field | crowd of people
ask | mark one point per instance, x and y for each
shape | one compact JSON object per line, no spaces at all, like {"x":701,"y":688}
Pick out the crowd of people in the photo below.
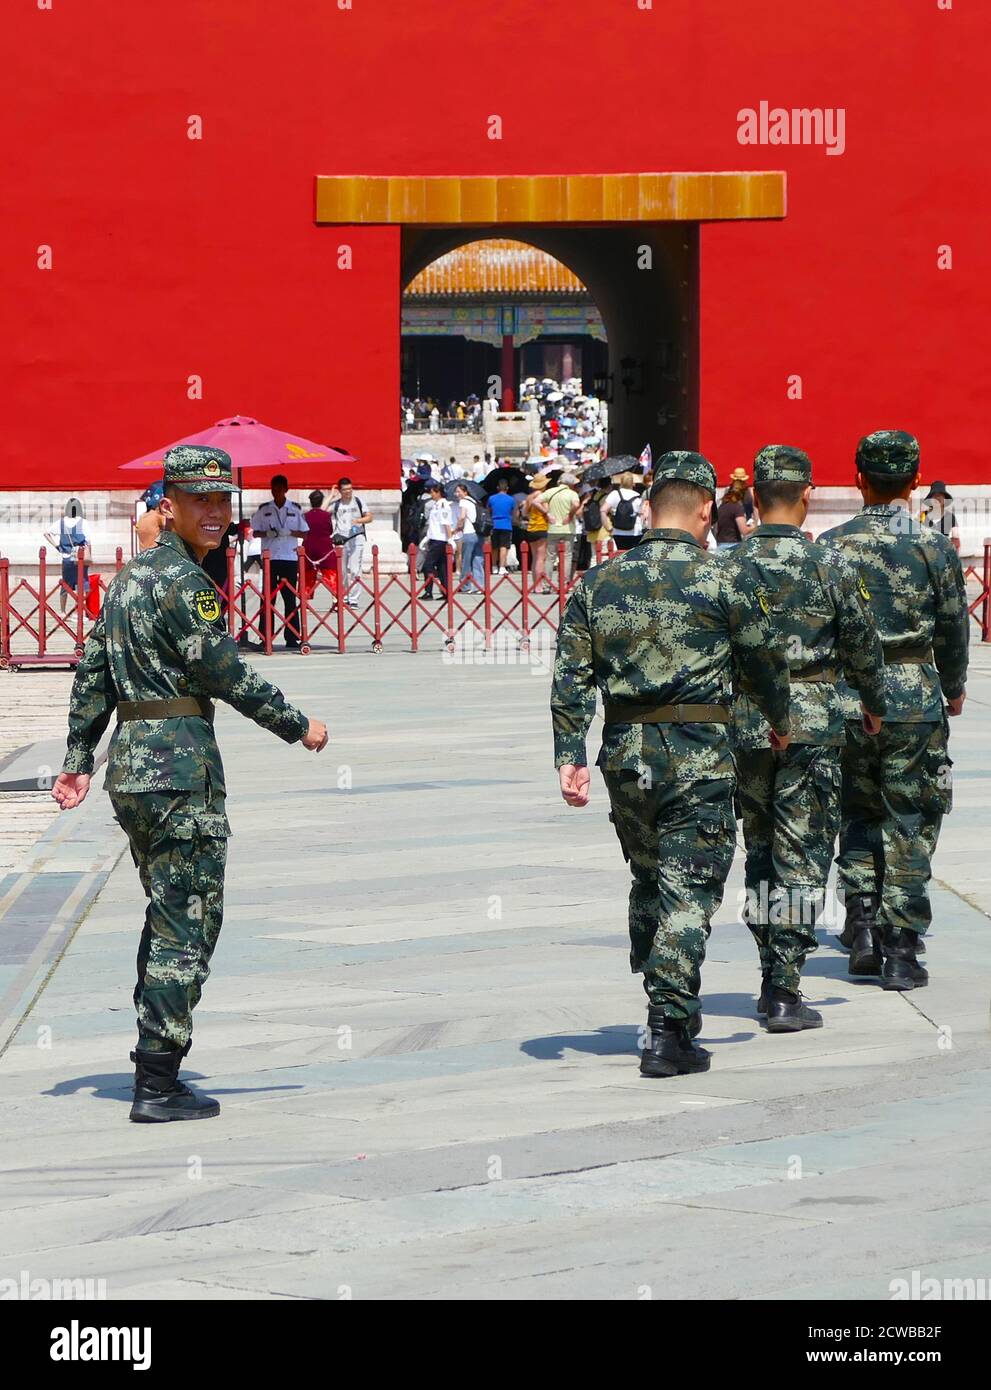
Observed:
{"x":425,"y":412}
{"x":571,"y":424}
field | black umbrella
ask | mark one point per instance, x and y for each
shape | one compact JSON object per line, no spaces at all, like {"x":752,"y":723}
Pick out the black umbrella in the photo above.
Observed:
{"x":517,"y":480}
{"x":621,"y":463}
{"x":475,"y":490}
{"x":596,"y":472}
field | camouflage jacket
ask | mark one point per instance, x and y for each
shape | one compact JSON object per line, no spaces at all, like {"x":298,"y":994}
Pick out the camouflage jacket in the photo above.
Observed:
{"x":918,"y":596}
{"x":822,"y":625}
{"x":662,"y":623}
{"x":160,"y":636}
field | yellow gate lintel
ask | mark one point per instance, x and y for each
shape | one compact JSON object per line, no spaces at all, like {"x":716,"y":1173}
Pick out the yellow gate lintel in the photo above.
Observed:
{"x":676,"y":197}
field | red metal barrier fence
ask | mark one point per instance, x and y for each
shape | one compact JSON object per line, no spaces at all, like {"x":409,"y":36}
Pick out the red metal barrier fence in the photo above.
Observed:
{"x":44,"y":622}
{"x":316,"y":609}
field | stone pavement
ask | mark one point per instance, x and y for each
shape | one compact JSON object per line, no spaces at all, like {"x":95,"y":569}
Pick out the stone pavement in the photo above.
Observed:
{"x":422,"y":1029}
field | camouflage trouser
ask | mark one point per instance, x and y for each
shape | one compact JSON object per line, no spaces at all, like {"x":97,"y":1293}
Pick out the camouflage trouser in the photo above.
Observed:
{"x":678,"y":839}
{"x":896,"y":790}
{"x":790,"y":804}
{"x":179,"y":844}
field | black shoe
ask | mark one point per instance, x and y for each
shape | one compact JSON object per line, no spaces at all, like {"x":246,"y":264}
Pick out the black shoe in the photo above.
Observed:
{"x":787,"y":1014}
{"x":246,"y":644}
{"x":158,"y":1093}
{"x":901,"y":969}
{"x":670,"y":1050}
{"x":861,"y":914}
{"x":765,"y":986}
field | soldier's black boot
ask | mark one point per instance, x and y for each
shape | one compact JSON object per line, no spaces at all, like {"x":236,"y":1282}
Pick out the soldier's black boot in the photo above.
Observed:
{"x":159,"y":1095}
{"x":765,"y":988}
{"x":670,"y":1050}
{"x":861,"y":934}
{"x":901,"y":969}
{"x":787,"y":1014}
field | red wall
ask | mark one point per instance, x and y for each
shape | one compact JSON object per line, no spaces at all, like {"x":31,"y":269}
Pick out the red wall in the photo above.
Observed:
{"x":174,"y":257}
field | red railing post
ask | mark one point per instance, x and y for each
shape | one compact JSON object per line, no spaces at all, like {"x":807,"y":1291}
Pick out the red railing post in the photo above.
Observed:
{"x":562,"y":580}
{"x":412,"y":596}
{"x":267,"y":602}
{"x":449,"y":580}
{"x":80,"y":598}
{"x":342,"y":596}
{"x":376,"y":599}
{"x":487,"y":592}
{"x":4,"y":610}
{"x":525,"y":588}
{"x":43,"y":599}
{"x":301,"y":599}
{"x":986,"y":606}
{"x":230,"y":590}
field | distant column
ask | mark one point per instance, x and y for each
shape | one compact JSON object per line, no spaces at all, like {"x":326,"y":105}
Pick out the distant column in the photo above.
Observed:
{"x":508,"y":372}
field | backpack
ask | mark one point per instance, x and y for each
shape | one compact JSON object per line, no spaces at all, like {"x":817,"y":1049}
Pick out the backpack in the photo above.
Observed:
{"x":483,"y":519}
{"x":70,"y":539}
{"x":338,"y":537}
{"x":592,"y":515}
{"x":624,"y":518}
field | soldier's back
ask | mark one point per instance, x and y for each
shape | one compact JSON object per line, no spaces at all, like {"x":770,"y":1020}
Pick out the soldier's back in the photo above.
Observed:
{"x":910,"y":576}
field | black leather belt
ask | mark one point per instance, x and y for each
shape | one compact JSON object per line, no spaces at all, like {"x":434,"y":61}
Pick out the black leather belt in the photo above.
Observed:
{"x":165,"y":709}
{"x":666,"y":714}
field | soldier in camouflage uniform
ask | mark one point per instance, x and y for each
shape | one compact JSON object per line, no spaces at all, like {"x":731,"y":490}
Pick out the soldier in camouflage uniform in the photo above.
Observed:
{"x":897,"y":787}
{"x":790,"y":801}
{"x":157,"y":654}
{"x":656,"y":630}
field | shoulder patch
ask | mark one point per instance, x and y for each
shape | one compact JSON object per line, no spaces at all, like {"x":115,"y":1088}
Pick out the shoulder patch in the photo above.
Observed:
{"x":207,"y":604}
{"x":865,"y":593}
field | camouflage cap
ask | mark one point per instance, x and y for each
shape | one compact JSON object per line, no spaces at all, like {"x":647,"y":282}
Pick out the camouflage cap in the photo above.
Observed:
{"x":888,"y":454}
{"x":782,"y":463}
{"x":688,"y":467}
{"x":197,"y":468}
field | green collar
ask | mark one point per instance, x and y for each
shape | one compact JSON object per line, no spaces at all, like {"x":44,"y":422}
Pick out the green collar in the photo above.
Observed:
{"x":175,"y":542}
{"x":775,"y":528}
{"x":669,"y":533}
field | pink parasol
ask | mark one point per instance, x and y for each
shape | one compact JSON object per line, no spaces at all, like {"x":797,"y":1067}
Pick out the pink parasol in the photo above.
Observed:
{"x":256,"y":450}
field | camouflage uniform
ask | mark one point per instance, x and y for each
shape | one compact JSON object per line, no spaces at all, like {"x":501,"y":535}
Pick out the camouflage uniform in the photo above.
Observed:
{"x":790,"y":800}
{"x":897,"y":787}
{"x":160,"y":637}
{"x":658,"y":626}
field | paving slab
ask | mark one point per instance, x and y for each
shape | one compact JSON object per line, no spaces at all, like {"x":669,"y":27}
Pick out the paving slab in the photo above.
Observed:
{"x":423,"y":1032}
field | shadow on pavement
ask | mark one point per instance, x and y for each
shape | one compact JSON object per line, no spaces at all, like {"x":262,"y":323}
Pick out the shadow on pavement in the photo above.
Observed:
{"x":120,"y":1086}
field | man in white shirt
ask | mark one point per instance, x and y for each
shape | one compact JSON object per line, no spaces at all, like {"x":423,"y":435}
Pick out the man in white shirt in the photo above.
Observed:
{"x":281,"y":525}
{"x":439,"y":524}
{"x":350,"y":520}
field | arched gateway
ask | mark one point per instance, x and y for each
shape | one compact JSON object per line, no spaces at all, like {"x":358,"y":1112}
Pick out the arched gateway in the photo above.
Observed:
{"x":632,"y":239}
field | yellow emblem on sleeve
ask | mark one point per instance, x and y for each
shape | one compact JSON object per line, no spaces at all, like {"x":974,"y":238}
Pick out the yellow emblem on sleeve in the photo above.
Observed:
{"x":207,"y":604}
{"x":865,"y":593}
{"x":762,"y":600}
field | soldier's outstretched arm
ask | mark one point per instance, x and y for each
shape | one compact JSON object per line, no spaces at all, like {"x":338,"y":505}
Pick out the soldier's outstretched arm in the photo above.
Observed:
{"x":92,"y":702}
{"x":213,"y":662}
{"x":573,"y":689}
{"x":858,"y":644}
{"x":761,"y":665}
{"x":951,"y":631}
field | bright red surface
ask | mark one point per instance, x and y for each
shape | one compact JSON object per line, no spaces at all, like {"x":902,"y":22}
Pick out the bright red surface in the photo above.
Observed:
{"x":174,"y":257}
